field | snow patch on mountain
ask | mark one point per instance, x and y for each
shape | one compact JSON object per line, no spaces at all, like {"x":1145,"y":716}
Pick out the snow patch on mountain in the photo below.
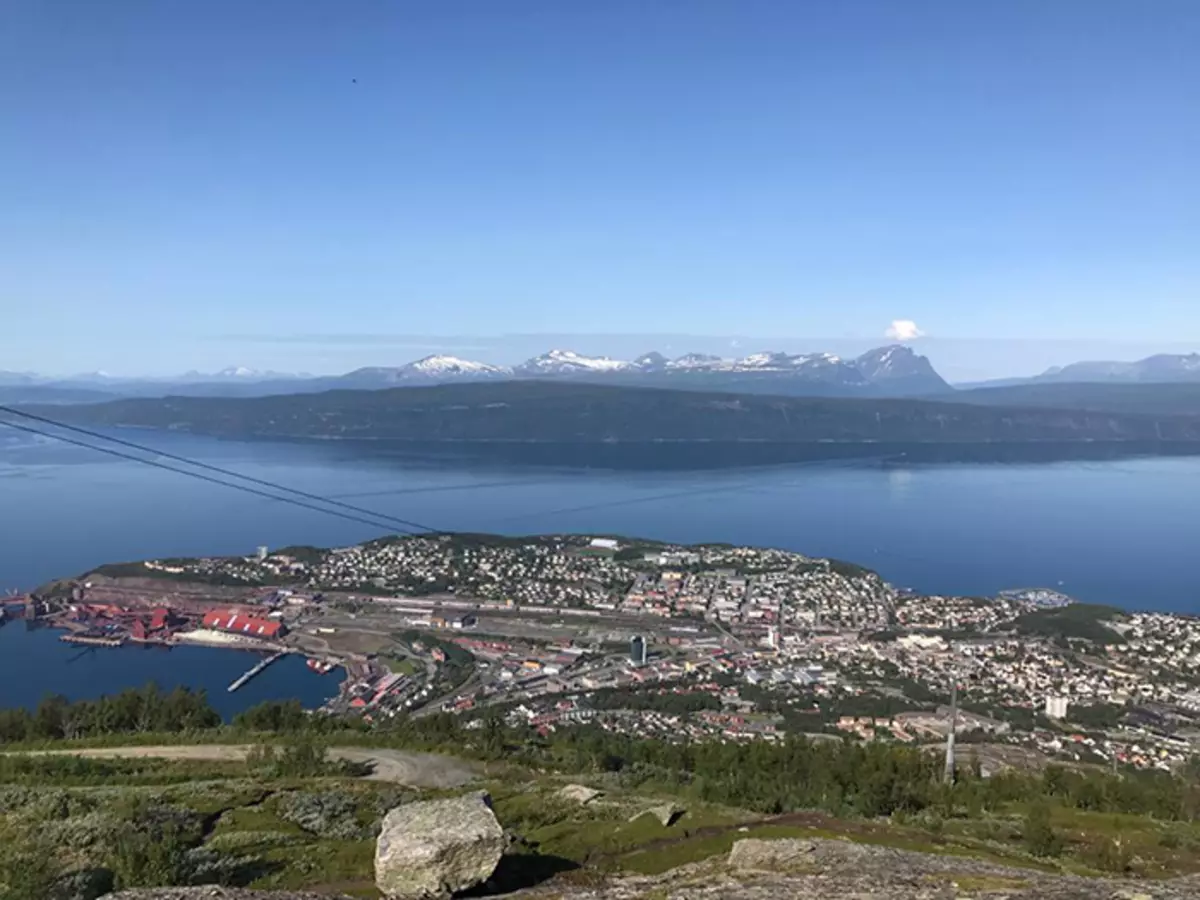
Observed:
{"x":440,"y":364}
{"x":563,"y":362}
{"x":698,"y":361}
{"x":784,"y":361}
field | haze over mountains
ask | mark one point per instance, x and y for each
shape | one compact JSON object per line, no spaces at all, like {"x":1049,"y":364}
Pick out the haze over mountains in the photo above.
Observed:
{"x":760,"y":408}
{"x":895,"y":371}
{"x":1161,"y":368}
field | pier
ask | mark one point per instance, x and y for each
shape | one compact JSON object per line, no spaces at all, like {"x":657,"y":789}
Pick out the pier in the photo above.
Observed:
{"x":262,"y":665}
{"x":93,"y":640}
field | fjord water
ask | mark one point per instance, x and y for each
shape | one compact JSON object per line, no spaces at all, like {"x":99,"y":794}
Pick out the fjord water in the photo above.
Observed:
{"x":1121,"y":532}
{"x":35,"y":663}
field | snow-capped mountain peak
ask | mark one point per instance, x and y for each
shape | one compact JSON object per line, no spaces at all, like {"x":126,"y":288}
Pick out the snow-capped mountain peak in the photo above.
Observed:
{"x":896,"y":362}
{"x":429,"y":370}
{"x":776,"y":361}
{"x":440,"y":364}
{"x":243,"y":373}
{"x":559,"y":362}
{"x":697,"y":361}
{"x":759,"y":360}
{"x":651,"y":362}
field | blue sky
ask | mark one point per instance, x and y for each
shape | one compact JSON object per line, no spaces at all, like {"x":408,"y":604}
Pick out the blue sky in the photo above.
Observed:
{"x":314,"y":186}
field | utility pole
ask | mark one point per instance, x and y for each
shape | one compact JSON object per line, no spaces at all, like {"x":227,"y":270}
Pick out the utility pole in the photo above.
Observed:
{"x":948,"y":775}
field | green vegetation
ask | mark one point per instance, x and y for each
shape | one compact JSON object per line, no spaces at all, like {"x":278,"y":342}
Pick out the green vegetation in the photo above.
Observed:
{"x":1040,"y":837}
{"x":75,"y":832}
{"x":401,"y":665}
{"x":303,"y":553}
{"x":683,"y":703}
{"x":1077,"y":621}
{"x":1146,"y":399}
{"x":576,"y":413}
{"x":290,"y":817}
{"x":138,"y":710}
{"x":139,"y":570}
{"x":301,"y":756}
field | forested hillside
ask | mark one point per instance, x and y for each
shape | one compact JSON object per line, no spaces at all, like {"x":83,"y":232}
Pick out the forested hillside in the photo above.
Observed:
{"x":580,"y":413}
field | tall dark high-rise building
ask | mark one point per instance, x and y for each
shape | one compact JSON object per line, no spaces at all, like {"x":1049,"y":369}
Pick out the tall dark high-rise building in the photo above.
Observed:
{"x":637,"y":650}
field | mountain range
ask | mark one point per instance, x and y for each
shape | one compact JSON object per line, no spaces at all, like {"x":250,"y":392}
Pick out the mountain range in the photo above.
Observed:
{"x":895,"y":371}
{"x":1162,"y":368}
{"x":892,"y":371}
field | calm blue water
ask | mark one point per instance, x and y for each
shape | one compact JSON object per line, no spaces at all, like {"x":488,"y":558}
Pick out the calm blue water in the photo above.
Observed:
{"x":1111,"y":532}
{"x":34,"y":663}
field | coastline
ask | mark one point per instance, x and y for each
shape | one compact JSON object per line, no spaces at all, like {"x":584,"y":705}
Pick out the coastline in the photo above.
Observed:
{"x":35,"y":664}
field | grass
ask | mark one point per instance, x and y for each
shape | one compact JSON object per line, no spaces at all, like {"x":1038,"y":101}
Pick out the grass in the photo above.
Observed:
{"x":401,"y":665}
{"x":256,"y":820}
{"x":661,"y":859}
{"x":319,"y":862}
{"x":592,"y":841}
{"x":980,"y":884}
{"x":604,"y":836}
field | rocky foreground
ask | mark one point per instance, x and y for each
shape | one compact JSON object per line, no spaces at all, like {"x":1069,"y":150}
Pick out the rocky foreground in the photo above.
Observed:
{"x":440,"y":848}
{"x":809,"y":869}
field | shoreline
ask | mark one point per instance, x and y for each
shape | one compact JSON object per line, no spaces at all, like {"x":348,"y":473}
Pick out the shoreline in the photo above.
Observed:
{"x":86,"y":673}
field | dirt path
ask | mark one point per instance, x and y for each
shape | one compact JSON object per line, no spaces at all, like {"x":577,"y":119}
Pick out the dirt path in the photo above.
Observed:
{"x":423,"y":770}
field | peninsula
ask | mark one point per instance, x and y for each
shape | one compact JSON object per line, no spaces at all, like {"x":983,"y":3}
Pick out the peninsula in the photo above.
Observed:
{"x":645,"y":717}
{"x":707,"y":641}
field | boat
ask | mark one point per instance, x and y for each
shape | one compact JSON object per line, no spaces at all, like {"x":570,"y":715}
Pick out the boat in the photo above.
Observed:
{"x":320,"y":667}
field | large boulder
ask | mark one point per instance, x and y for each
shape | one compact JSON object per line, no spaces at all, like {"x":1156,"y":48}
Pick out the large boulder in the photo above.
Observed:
{"x":578,"y":793}
{"x":783,"y":855}
{"x":432,"y":849}
{"x":667,"y":814}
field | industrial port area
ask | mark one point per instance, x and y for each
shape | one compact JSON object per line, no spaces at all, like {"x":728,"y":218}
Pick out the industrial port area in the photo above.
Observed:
{"x":697,"y":642}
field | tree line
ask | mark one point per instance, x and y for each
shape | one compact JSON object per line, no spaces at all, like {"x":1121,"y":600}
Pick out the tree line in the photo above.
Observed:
{"x":840,"y":777}
{"x":134,"y":711}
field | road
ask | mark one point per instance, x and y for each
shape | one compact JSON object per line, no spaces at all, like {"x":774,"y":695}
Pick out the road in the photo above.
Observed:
{"x":422,"y":770}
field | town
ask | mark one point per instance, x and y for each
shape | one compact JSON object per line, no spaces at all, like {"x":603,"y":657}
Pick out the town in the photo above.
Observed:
{"x":698,"y":642}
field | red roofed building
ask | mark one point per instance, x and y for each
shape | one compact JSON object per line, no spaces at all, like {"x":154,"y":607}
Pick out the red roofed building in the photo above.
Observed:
{"x":250,"y":626}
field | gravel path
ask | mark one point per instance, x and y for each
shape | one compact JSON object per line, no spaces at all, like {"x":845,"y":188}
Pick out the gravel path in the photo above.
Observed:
{"x":422,"y":770}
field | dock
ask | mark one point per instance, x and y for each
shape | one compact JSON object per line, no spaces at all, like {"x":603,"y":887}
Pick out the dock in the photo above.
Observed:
{"x":93,"y":640}
{"x":258,"y":668}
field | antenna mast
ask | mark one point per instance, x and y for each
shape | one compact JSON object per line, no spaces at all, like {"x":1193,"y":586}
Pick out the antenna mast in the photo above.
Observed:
{"x":948,"y":775}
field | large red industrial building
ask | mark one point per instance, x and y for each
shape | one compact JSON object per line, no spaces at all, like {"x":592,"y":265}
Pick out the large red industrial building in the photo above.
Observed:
{"x":238,"y":623}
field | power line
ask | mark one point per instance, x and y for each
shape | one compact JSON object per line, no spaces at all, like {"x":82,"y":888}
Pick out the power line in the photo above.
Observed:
{"x":228,"y":473}
{"x":440,"y":488}
{"x":630,"y":501}
{"x":237,"y":487}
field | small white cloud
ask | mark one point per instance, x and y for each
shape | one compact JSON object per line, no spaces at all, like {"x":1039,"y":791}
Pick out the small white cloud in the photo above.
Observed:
{"x":904,"y":330}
